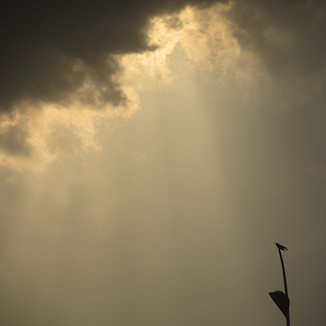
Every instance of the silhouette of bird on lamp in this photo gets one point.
(280, 247)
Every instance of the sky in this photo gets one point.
(152, 153)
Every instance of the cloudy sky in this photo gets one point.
(152, 153)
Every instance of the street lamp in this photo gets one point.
(282, 299)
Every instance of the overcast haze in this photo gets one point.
(151, 154)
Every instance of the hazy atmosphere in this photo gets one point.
(152, 153)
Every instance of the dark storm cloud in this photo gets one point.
(50, 48)
(289, 36)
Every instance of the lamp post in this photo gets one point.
(282, 299)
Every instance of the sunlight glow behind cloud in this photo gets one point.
(204, 36)
(190, 43)
(53, 131)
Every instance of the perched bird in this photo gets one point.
(279, 246)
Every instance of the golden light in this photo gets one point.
(202, 38)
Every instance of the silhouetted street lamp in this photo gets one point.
(282, 299)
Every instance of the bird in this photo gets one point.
(280, 247)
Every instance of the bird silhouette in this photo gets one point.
(280, 247)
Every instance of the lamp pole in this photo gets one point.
(282, 299)
(285, 287)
